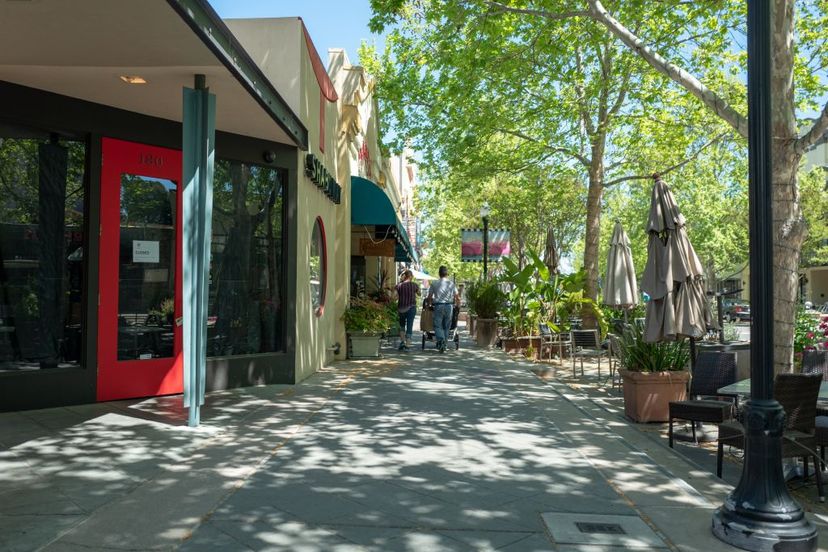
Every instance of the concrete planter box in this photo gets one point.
(363, 346)
(486, 332)
(472, 324)
(647, 395)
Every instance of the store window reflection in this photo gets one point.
(41, 253)
(146, 270)
(318, 267)
(245, 311)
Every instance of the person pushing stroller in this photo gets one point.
(443, 296)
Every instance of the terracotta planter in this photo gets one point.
(510, 344)
(486, 332)
(647, 395)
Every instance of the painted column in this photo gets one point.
(199, 128)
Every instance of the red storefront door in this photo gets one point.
(139, 306)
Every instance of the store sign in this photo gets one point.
(145, 251)
(383, 248)
(320, 176)
(471, 245)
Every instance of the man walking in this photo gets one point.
(407, 292)
(443, 295)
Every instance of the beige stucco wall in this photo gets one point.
(816, 290)
(278, 46)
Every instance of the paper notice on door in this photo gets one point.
(145, 251)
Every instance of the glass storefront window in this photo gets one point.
(318, 267)
(41, 249)
(245, 310)
(146, 269)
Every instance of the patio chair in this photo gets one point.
(586, 344)
(616, 360)
(816, 362)
(797, 393)
(713, 371)
(553, 342)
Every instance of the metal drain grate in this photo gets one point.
(600, 528)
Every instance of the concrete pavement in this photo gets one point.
(418, 451)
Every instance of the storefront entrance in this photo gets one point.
(139, 303)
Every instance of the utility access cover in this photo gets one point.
(625, 532)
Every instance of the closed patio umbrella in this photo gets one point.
(673, 276)
(620, 288)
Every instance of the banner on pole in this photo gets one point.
(471, 245)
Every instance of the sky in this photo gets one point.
(331, 23)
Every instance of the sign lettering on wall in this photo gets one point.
(383, 248)
(320, 176)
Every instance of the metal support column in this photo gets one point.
(760, 514)
(199, 128)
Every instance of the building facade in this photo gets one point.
(91, 215)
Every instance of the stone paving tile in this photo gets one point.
(24, 533)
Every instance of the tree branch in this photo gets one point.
(552, 149)
(503, 8)
(668, 169)
(817, 131)
(693, 85)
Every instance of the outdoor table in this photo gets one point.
(791, 468)
(743, 388)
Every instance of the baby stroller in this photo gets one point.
(427, 326)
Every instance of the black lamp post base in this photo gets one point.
(703, 434)
(763, 535)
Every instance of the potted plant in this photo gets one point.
(365, 322)
(486, 299)
(653, 375)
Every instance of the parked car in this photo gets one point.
(736, 310)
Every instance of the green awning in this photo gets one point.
(370, 205)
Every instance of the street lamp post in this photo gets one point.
(759, 514)
(484, 214)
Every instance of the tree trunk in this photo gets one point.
(788, 224)
(595, 194)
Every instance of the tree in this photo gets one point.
(694, 35)
(474, 72)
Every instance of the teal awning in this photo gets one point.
(370, 205)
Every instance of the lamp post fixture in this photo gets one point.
(759, 514)
(484, 214)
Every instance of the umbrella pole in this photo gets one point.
(692, 355)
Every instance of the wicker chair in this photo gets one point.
(816, 362)
(585, 343)
(713, 370)
(797, 393)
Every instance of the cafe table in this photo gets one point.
(790, 467)
(743, 388)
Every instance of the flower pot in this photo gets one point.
(486, 332)
(647, 395)
(363, 346)
(510, 344)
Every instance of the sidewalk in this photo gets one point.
(418, 451)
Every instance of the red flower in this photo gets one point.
(809, 335)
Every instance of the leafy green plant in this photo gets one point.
(640, 356)
(485, 299)
(367, 316)
(731, 333)
(809, 332)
